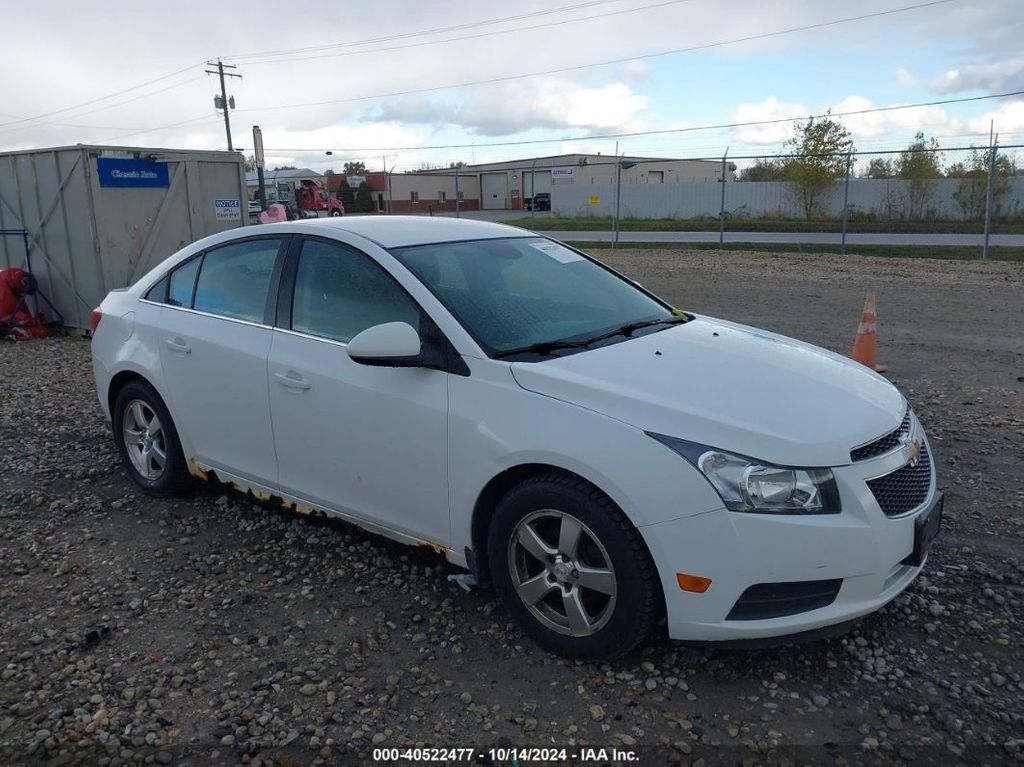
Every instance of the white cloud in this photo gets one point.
(1009, 118)
(635, 71)
(905, 78)
(992, 77)
(551, 103)
(769, 109)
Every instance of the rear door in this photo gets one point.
(366, 441)
(215, 338)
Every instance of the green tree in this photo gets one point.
(285, 167)
(347, 198)
(972, 190)
(880, 167)
(920, 164)
(364, 199)
(355, 168)
(768, 169)
(250, 163)
(819, 148)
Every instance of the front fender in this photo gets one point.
(495, 425)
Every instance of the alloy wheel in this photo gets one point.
(562, 573)
(144, 439)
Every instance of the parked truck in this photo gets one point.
(311, 201)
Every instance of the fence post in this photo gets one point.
(458, 212)
(533, 189)
(721, 207)
(846, 200)
(988, 196)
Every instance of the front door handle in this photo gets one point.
(178, 346)
(292, 380)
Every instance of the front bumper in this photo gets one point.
(871, 553)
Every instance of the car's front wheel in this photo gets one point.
(148, 442)
(572, 569)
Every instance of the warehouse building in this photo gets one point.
(503, 185)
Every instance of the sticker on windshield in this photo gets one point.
(558, 252)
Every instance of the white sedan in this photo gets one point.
(604, 459)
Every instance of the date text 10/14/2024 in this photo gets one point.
(501, 755)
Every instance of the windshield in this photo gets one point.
(511, 294)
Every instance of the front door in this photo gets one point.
(366, 441)
(214, 342)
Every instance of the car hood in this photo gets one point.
(728, 386)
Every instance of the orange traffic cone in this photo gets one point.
(864, 343)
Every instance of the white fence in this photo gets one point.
(944, 199)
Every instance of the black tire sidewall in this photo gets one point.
(628, 625)
(175, 475)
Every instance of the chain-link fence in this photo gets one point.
(965, 196)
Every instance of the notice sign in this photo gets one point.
(228, 210)
(117, 172)
(593, 201)
(566, 173)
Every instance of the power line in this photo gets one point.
(473, 36)
(662, 132)
(435, 30)
(159, 128)
(105, 107)
(90, 102)
(558, 70)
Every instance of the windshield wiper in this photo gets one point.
(546, 347)
(631, 327)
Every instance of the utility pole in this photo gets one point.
(226, 104)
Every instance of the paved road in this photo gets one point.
(810, 238)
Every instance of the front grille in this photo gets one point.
(774, 600)
(882, 445)
(906, 488)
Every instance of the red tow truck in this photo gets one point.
(312, 201)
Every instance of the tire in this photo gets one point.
(136, 406)
(609, 556)
(335, 213)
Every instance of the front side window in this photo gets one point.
(518, 292)
(234, 280)
(340, 292)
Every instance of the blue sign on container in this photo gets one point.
(114, 171)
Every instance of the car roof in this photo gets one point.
(401, 231)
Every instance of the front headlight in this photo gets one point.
(749, 485)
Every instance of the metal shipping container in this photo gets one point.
(100, 217)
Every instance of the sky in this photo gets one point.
(386, 83)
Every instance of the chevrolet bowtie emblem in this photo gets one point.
(913, 447)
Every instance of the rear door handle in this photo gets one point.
(178, 346)
(292, 380)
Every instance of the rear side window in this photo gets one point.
(183, 280)
(235, 280)
(340, 292)
(158, 292)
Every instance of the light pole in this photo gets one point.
(620, 166)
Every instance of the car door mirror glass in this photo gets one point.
(391, 343)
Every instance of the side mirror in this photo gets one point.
(393, 344)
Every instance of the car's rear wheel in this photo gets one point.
(572, 569)
(148, 442)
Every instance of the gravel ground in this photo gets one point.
(212, 629)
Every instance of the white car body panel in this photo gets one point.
(809, 406)
(407, 452)
(352, 439)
